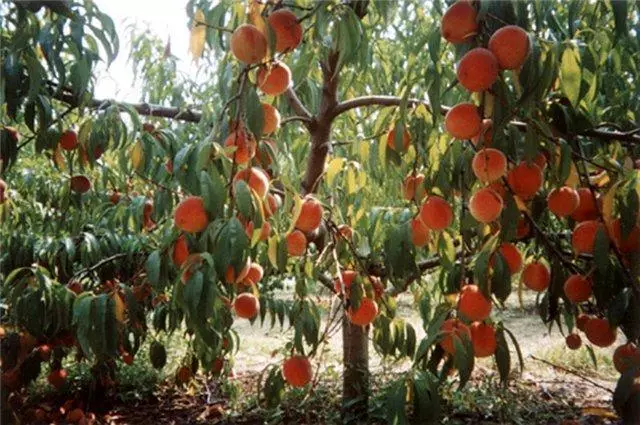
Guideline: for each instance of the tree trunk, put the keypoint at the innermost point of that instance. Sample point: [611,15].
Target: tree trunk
[355,380]
[354,338]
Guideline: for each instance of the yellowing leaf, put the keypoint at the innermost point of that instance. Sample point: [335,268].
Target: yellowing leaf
[352,185]
[521,204]
[422,112]
[297,209]
[308,269]
[137,155]
[272,250]
[364,149]
[382,150]
[489,101]
[607,204]
[119,307]
[600,180]
[451,299]
[58,159]
[255,15]
[198,35]
[85,132]
[335,166]
[573,180]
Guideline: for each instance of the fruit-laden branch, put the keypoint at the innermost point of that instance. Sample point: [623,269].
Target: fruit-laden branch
[632,136]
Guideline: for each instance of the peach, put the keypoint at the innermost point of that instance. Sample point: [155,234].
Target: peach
[463,121]
[583,237]
[256,178]
[296,243]
[412,187]
[485,205]
[245,146]
[275,80]
[286,28]
[459,22]
[577,288]
[536,276]
[271,119]
[587,207]
[436,213]
[310,215]
[525,180]
[489,165]
[190,215]
[563,201]
[510,45]
[246,306]
[419,232]
[478,70]
[391,139]
[248,44]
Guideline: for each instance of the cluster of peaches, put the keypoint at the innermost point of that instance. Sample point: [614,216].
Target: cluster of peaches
[249,45]
[477,71]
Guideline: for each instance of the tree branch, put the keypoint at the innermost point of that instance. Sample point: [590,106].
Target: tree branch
[297,106]
[146,109]
[631,136]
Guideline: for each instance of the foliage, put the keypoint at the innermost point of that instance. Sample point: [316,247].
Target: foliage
[99,265]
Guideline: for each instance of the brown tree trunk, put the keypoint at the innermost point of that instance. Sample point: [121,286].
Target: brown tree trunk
[355,380]
[355,341]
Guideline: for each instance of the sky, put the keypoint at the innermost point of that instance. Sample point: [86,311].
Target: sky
[164,18]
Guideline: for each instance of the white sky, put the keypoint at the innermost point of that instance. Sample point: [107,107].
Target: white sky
[164,18]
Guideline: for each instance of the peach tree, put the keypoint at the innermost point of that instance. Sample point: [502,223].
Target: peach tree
[461,153]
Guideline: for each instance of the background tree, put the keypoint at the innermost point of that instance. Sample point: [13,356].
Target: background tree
[494,119]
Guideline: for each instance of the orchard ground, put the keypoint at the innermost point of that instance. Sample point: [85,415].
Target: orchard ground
[543,394]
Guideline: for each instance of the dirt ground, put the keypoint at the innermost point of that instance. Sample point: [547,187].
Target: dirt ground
[541,394]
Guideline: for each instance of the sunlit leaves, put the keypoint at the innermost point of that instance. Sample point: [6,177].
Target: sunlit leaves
[571,75]
[198,34]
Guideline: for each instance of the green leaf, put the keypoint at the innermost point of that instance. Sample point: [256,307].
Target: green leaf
[152,266]
[601,250]
[426,399]
[242,194]
[254,112]
[624,389]
[509,217]
[157,355]
[502,356]
[446,250]
[463,358]
[395,403]
[571,75]
[193,294]
[517,347]
[620,8]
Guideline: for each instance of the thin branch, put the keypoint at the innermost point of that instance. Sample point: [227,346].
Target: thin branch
[204,24]
[297,105]
[574,373]
[183,114]
[295,118]
[358,102]
[99,264]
